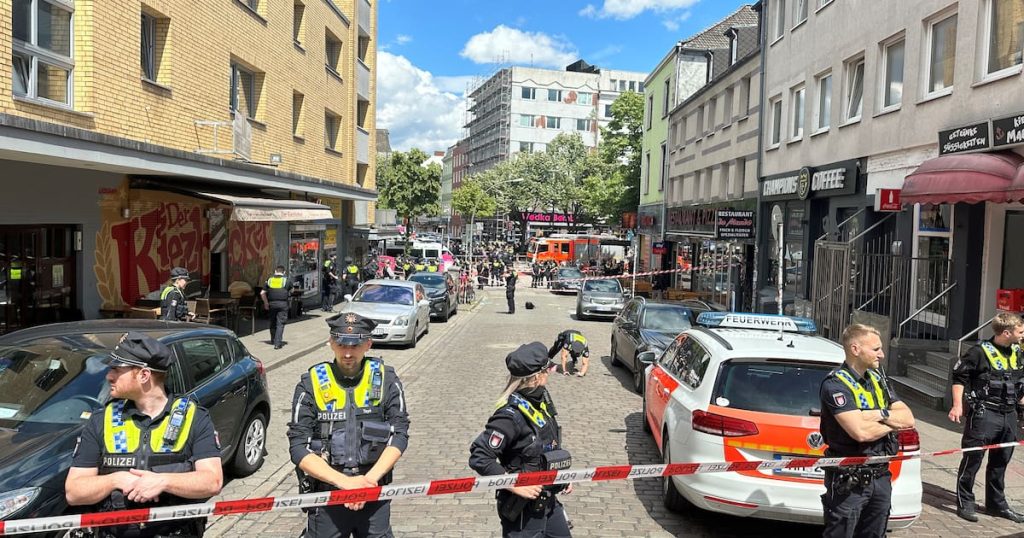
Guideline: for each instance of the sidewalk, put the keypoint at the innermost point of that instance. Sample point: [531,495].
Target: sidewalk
[303,335]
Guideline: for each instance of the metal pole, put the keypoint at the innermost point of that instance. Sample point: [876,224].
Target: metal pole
[632,268]
[782,267]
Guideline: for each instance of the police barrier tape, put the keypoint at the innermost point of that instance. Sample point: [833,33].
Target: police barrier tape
[447,487]
[634,275]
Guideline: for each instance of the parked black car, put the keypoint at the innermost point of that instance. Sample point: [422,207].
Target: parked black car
[567,279]
[646,326]
[441,290]
[52,380]
[698,306]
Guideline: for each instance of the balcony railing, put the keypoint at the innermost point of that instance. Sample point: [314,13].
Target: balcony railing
[362,80]
[362,146]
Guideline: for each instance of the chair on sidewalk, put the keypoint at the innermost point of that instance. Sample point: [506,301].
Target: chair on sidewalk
[247,308]
[205,314]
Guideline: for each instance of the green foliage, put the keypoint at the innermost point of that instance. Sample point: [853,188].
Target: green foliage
[407,186]
[622,146]
[470,199]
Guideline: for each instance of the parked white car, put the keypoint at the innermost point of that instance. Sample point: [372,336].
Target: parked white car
[400,308]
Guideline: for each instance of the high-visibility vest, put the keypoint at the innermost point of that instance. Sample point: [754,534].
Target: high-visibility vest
[865,399]
[996,359]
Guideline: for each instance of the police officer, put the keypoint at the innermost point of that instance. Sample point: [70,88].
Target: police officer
[371,269]
[328,284]
[432,266]
[351,276]
[349,427]
[989,376]
[173,306]
[571,344]
[535,268]
[510,289]
[275,300]
[406,268]
[521,436]
[114,469]
[860,416]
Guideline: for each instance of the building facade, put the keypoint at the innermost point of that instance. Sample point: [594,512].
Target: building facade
[921,98]
[115,110]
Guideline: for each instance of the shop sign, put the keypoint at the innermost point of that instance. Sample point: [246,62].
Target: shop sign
[888,200]
[1008,131]
[546,217]
[659,248]
[733,224]
[963,139]
[685,219]
[809,182]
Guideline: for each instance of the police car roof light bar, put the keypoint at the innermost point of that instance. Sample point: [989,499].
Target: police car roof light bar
[769,322]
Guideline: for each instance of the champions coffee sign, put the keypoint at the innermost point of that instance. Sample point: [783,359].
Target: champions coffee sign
[732,224]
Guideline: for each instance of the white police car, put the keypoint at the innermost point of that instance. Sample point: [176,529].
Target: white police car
[744,387]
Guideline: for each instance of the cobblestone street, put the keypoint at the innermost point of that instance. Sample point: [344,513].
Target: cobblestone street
[452,378]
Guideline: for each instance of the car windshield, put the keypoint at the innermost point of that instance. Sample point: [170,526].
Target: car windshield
[379,293]
[50,384]
[608,286]
[430,281]
[569,273]
[666,318]
[783,387]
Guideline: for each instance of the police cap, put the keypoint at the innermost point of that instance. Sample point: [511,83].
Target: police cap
[351,329]
[528,359]
[180,272]
[137,349]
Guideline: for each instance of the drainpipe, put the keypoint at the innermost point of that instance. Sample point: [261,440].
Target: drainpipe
[759,265]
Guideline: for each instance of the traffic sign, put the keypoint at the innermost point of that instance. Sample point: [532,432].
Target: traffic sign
[887,200]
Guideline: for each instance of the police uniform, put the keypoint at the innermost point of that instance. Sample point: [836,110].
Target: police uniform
[277,299]
[351,277]
[349,422]
[327,279]
[522,436]
[857,500]
[173,305]
[572,341]
[992,379]
[510,291]
[116,440]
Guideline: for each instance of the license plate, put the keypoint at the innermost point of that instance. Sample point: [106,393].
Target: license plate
[379,332]
[603,308]
[802,472]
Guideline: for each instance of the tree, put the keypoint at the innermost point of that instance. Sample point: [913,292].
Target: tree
[471,199]
[410,188]
[621,146]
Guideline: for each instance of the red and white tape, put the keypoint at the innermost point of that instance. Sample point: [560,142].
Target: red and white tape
[634,275]
[445,487]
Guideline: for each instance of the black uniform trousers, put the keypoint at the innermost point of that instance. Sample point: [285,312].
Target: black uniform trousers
[551,523]
[373,521]
[861,511]
[985,427]
[278,316]
[510,296]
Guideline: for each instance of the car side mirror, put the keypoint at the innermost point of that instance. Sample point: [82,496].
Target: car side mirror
[348,296]
[424,302]
[647,357]
[628,325]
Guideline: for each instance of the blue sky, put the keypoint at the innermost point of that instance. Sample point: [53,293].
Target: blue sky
[430,49]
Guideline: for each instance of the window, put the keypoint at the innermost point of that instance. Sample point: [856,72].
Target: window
[824,101]
[712,114]
[699,127]
[692,362]
[205,358]
[739,177]
[673,129]
[297,101]
[332,126]
[696,185]
[666,99]
[733,47]
[244,91]
[797,104]
[941,54]
[153,40]
[799,12]
[526,147]
[555,95]
[776,133]
[585,98]
[1005,35]
[745,96]
[526,120]
[789,388]
[332,50]
[613,83]
[780,19]
[892,90]
[583,125]
[252,4]
[854,89]
[607,111]
[42,57]
[640,87]
[529,93]
[647,172]
[730,96]
[622,85]
[553,122]
[650,111]
[299,23]
[723,182]
[823,3]
[664,167]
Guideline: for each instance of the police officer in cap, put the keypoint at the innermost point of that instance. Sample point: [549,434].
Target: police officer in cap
[521,436]
[173,306]
[351,276]
[275,300]
[571,344]
[349,427]
[989,377]
[860,416]
[145,449]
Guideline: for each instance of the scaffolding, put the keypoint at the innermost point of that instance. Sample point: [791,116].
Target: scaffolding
[488,118]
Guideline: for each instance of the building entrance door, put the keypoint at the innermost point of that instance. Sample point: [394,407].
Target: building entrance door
[37,276]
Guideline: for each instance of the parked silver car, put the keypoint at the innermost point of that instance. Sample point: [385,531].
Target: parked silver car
[400,308]
[600,298]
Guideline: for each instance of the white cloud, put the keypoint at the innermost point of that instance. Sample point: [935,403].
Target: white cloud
[454,84]
[672,24]
[627,9]
[519,47]
[402,39]
[413,108]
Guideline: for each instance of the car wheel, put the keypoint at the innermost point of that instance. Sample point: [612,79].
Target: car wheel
[615,355]
[638,376]
[415,336]
[251,446]
[646,425]
[673,500]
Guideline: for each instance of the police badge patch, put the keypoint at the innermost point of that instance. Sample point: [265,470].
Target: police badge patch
[496,439]
[839,398]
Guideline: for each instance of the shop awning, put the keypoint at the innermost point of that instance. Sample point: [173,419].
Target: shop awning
[248,209]
[969,178]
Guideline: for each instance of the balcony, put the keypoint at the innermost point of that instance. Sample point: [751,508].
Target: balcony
[362,81]
[362,146]
[364,17]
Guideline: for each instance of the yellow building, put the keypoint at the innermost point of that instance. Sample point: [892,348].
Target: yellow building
[224,136]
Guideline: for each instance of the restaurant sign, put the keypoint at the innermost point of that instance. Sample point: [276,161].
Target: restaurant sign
[733,224]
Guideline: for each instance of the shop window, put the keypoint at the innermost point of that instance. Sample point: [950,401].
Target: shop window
[933,238]
[304,261]
[42,59]
[1013,256]
[792,253]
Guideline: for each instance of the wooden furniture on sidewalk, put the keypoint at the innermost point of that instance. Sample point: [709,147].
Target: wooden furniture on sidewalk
[229,306]
[144,313]
[247,308]
[206,314]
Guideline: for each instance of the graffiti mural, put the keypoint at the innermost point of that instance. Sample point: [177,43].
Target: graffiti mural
[250,252]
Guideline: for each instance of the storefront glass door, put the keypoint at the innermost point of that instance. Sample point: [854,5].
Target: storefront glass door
[37,276]
[932,247]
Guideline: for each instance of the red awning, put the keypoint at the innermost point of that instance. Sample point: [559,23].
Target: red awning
[970,178]
[1016,192]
